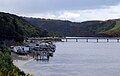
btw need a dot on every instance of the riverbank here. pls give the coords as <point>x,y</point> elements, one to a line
<point>7,68</point>
<point>20,57</point>
<point>19,61</point>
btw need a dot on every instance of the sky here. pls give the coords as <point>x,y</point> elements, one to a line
<point>73,10</point>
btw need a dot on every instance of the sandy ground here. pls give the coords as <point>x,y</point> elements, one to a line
<point>19,60</point>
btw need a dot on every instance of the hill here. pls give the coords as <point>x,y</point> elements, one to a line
<point>115,31</point>
<point>13,27</point>
<point>82,29</point>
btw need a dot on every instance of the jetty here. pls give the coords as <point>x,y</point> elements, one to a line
<point>43,51</point>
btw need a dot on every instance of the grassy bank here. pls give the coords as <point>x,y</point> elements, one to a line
<point>7,68</point>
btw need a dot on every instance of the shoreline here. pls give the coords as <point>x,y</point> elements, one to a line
<point>20,61</point>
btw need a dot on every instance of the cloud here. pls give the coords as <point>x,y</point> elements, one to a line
<point>110,12</point>
<point>41,6</point>
<point>74,10</point>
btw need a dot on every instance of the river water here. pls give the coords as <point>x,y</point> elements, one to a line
<point>79,59</point>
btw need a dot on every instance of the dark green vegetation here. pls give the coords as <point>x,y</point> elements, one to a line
<point>15,28</point>
<point>6,66</point>
<point>109,28</point>
<point>115,31</point>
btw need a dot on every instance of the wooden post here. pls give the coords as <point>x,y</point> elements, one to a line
<point>117,40</point>
<point>37,55</point>
<point>33,56</point>
<point>97,40</point>
<point>107,40</point>
<point>40,57</point>
<point>48,57</point>
<point>66,40</point>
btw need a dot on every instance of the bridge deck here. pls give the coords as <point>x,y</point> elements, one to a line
<point>76,38</point>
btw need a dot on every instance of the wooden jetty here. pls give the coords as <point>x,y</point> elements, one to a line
<point>43,51</point>
<point>41,55</point>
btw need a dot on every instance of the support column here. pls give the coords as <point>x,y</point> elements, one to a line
<point>86,40</point>
<point>117,40</point>
<point>76,40</point>
<point>97,40</point>
<point>107,40</point>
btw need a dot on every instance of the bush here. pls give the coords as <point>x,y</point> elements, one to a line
<point>7,68</point>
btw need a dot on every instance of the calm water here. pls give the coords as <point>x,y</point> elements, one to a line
<point>79,59</point>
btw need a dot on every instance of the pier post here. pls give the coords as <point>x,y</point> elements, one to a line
<point>66,40</point>
<point>37,56</point>
<point>97,40</point>
<point>33,56</point>
<point>86,40</point>
<point>117,40</point>
<point>40,57</point>
<point>107,40</point>
<point>48,57</point>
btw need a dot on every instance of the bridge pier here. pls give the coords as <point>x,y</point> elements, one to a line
<point>107,40</point>
<point>86,40</point>
<point>117,40</point>
<point>97,40</point>
<point>76,40</point>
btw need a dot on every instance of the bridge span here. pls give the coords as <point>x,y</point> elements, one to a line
<point>76,39</point>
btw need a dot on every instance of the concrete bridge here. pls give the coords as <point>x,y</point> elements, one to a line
<point>76,39</point>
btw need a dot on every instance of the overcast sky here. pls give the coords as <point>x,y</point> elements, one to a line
<point>73,10</point>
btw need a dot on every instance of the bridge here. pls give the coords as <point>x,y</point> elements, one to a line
<point>76,39</point>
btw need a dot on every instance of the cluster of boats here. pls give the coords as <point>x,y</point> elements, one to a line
<point>35,49</point>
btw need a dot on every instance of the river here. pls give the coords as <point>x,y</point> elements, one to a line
<point>78,59</point>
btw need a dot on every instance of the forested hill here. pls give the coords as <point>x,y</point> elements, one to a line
<point>96,28</point>
<point>15,28</point>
